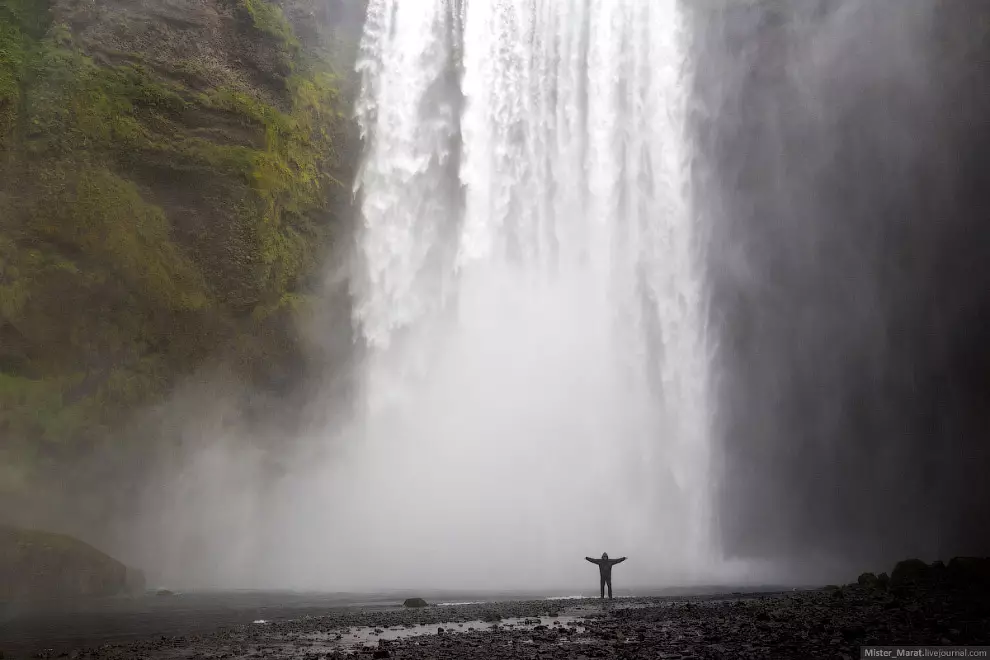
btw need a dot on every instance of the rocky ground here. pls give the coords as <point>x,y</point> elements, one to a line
<point>917,605</point>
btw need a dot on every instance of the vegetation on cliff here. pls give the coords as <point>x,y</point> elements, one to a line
<point>161,202</point>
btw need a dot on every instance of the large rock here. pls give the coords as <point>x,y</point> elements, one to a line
<point>868,580</point>
<point>43,565</point>
<point>910,572</point>
<point>415,602</point>
<point>969,570</point>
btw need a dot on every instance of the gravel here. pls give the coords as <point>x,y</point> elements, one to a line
<point>828,623</point>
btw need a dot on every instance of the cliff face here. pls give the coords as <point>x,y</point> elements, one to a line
<point>170,179</point>
<point>39,565</point>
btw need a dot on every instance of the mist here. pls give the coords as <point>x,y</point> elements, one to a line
<point>849,280</point>
<point>759,357</point>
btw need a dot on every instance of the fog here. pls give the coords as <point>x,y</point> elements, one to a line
<point>850,278</point>
<point>701,287</point>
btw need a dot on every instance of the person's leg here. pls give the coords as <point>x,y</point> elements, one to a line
<point>603,586</point>
<point>609,583</point>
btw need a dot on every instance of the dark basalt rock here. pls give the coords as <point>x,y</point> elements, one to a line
<point>971,570</point>
<point>883,581</point>
<point>415,602</point>
<point>910,572</point>
<point>867,580</point>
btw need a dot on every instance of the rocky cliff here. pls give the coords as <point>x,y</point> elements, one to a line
<point>170,179</point>
<point>40,565</point>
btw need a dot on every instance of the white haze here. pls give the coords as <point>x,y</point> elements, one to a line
<point>534,384</point>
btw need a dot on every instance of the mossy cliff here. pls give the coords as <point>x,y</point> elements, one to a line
<point>169,178</point>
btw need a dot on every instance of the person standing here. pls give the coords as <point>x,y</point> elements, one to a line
<point>605,570</point>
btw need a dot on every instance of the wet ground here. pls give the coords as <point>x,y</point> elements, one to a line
<point>805,624</point>
<point>63,627</point>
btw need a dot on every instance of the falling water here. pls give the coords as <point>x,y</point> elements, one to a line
<point>536,378</point>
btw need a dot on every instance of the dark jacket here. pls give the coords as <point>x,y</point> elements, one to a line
<point>605,565</point>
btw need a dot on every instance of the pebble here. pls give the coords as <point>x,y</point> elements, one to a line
<point>793,624</point>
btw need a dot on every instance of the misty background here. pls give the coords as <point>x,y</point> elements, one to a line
<point>848,261</point>
<point>840,179</point>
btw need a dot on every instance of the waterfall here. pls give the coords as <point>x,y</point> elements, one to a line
<point>528,288</point>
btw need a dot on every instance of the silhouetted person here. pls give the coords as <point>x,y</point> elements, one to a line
<point>605,570</point>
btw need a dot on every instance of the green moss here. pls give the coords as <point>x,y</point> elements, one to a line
<point>36,408</point>
<point>22,22</point>
<point>269,20</point>
<point>290,177</point>
<point>136,237</point>
<point>104,217</point>
<point>293,304</point>
<point>78,105</point>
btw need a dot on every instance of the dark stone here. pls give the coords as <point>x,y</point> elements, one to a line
<point>164,592</point>
<point>910,572</point>
<point>867,580</point>
<point>969,570</point>
<point>883,580</point>
<point>415,602</point>
<point>381,653</point>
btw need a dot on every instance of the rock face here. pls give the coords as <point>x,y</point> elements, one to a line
<point>42,565</point>
<point>415,602</point>
<point>177,168</point>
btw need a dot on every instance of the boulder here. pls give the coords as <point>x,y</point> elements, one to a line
<point>910,572</point>
<point>969,570</point>
<point>883,581</point>
<point>868,580</point>
<point>415,602</point>
<point>36,565</point>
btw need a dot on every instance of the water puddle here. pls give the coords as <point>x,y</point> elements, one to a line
<point>357,639</point>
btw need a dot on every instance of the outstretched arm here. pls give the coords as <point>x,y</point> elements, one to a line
<point>619,560</point>
<point>593,561</point>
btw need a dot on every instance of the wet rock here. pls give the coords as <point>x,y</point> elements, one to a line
<point>795,624</point>
<point>868,580</point>
<point>414,602</point>
<point>164,593</point>
<point>910,572</point>
<point>969,570</point>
